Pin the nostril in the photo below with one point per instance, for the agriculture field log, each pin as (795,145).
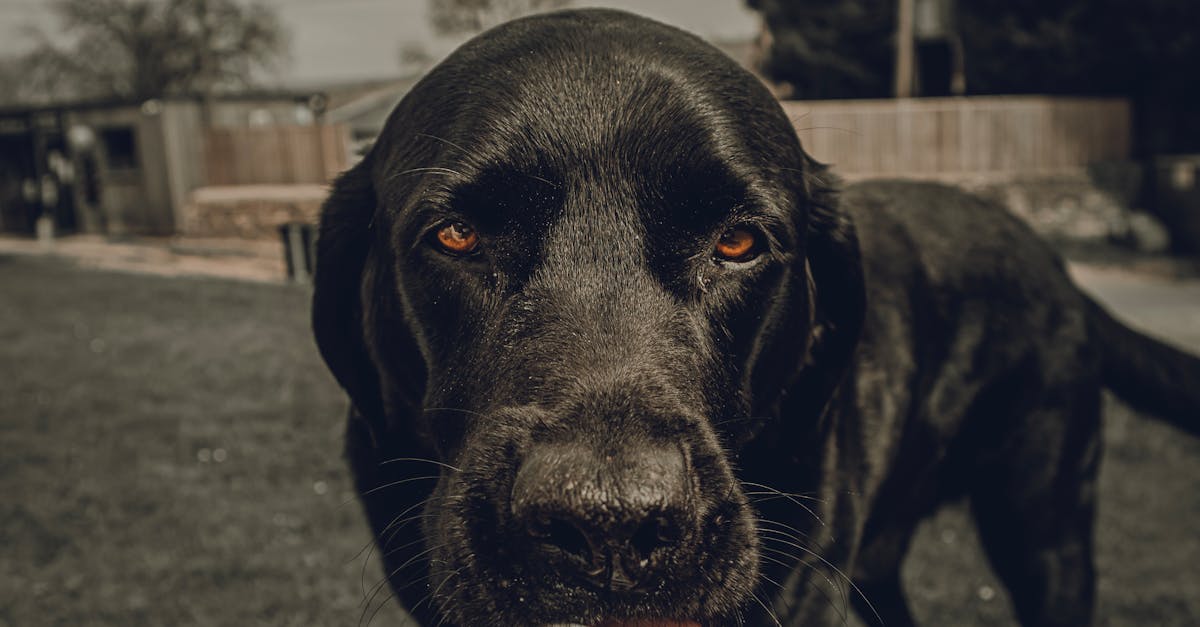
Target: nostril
(612,521)
(539,527)
(560,534)
(655,533)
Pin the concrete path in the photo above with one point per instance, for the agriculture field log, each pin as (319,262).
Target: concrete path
(1164,307)
(248,260)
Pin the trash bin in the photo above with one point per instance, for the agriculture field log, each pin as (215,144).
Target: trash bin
(299,251)
(1177,199)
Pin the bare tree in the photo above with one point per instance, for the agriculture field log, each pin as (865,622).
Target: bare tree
(15,82)
(413,56)
(151,48)
(458,17)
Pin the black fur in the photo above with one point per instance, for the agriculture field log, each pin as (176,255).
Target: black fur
(596,400)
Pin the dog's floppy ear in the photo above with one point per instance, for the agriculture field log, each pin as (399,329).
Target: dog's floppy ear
(343,246)
(837,298)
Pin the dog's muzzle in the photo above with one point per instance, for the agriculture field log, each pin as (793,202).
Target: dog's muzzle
(612,520)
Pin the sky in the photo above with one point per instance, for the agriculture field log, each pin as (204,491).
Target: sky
(348,40)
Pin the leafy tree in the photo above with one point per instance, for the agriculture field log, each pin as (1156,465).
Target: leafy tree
(142,49)
(829,48)
(1146,50)
(459,17)
(1080,46)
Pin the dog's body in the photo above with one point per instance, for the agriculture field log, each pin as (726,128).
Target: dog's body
(589,283)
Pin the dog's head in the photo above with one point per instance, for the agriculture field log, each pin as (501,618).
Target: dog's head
(578,271)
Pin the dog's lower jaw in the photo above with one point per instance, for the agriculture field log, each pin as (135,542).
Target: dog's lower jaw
(664,622)
(514,603)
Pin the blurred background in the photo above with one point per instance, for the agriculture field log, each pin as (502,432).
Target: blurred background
(170,438)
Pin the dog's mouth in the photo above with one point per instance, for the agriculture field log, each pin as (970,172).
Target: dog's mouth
(568,533)
(640,622)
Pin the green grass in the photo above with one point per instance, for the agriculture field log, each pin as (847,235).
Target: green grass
(1147,539)
(120,393)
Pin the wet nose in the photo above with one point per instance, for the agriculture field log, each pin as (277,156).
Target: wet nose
(612,518)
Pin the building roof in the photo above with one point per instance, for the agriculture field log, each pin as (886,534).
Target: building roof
(115,103)
(366,114)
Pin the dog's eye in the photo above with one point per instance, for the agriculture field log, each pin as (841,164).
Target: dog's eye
(737,245)
(457,238)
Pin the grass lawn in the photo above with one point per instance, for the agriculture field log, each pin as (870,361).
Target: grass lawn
(170,455)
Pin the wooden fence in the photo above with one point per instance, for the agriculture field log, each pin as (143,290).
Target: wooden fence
(275,154)
(976,138)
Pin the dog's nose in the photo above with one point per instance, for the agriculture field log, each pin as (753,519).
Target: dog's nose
(615,518)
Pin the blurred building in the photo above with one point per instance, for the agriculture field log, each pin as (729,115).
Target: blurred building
(364,111)
(127,168)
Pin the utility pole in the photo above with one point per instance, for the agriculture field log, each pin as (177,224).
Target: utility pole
(207,71)
(904,49)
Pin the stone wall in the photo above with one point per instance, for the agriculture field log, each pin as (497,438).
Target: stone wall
(250,211)
(1077,209)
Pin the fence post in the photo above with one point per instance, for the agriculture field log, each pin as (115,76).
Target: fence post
(298,250)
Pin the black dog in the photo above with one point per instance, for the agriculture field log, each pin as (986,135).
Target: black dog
(589,296)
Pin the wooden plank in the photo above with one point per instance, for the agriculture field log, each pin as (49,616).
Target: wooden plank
(274,154)
(994,136)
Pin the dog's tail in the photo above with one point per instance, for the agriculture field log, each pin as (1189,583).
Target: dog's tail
(1148,374)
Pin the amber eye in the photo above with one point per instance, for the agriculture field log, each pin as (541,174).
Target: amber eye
(737,244)
(457,238)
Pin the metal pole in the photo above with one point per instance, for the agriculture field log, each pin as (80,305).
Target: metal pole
(904,49)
